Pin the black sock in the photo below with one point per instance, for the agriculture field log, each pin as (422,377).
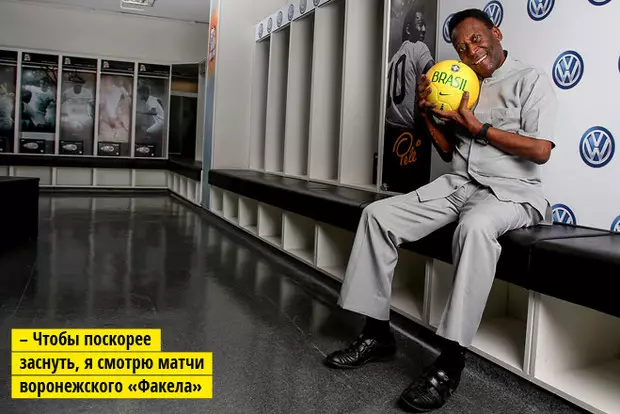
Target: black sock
(452,358)
(377,328)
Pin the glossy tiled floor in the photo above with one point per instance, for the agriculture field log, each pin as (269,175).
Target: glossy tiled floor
(152,262)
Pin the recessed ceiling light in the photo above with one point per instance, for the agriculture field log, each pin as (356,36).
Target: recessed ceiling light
(136,4)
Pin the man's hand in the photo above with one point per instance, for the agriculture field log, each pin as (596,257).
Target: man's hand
(441,142)
(423,91)
(463,116)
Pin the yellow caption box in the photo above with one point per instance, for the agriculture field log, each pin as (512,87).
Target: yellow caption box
(126,387)
(85,340)
(107,364)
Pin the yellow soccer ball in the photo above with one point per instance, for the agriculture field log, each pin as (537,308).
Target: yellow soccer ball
(449,80)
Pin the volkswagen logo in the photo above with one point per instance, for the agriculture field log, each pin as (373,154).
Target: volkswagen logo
(303,4)
(316,2)
(280,18)
(568,69)
(539,9)
(260,30)
(269,25)
(563,215)
(599,2)
(446,31)
(495,11)
(291,12)
(597,147)
(615,226)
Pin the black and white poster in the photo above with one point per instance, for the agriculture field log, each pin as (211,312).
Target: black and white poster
(8,80)
(115,106)
(151,109)
(38,103)
(411,52)
(77,106)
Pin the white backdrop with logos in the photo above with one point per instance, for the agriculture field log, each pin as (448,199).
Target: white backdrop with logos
(573,42)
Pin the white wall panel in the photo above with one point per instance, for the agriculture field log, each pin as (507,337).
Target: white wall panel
(364,32)
(43,173)
(298,97)
(74,176)
(150,178)
(234,79)
(107,177)
(326,91)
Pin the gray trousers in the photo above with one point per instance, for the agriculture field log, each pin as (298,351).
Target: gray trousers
(388,223)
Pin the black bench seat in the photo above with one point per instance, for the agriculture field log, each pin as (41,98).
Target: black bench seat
(585,269)
(19,210)
(537,258)
(327,203)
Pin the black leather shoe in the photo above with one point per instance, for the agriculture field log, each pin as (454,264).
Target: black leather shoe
(429,392)
(363,350)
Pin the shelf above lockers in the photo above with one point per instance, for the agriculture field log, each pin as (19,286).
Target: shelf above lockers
(362,82)
(298,236)
(276,101)
(577,352)
(258,115)
(326,91)
(298,97)
(333,248)
(408,285)
(270,224)
(501,336)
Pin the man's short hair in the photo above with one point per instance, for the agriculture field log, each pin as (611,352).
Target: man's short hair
(144,89)
(410,20)
(478,14)
(26,95)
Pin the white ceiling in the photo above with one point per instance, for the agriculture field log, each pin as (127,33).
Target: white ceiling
(191,10)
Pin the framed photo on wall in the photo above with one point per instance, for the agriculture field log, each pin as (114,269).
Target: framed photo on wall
(39,84)
(115,108)
(151,109)
(77,106)
(411,52)
(8,80)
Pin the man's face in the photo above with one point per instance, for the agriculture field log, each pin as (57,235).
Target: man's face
(418,31)
(77,88)
(478,46)
(144,95)
(44,86)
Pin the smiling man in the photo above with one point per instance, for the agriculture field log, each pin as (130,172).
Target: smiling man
(495,186)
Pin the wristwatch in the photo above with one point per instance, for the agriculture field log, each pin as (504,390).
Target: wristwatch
(482,135)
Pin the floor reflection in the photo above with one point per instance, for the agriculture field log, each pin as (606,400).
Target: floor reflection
(152,262)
